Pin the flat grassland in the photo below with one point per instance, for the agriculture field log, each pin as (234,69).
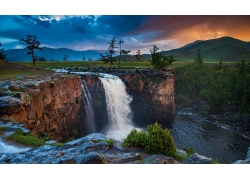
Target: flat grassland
(80,64)
(13,70)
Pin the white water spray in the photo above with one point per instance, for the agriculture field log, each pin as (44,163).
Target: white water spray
(88,107)
(118,107)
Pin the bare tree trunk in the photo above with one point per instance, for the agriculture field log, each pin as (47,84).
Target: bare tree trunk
(119,57)
(243,101)
(33,59)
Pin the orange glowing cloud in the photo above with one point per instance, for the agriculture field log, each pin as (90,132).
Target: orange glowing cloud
(186,29)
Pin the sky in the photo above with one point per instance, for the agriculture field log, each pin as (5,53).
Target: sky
(140,31)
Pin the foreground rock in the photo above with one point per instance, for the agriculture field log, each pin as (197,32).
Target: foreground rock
(198,159)
(91,149)
(159,159)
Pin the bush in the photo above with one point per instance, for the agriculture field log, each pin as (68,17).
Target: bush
(156,140)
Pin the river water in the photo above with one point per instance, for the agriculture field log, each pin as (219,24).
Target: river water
(208,138)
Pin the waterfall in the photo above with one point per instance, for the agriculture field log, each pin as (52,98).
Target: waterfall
(118,107)
(88,107)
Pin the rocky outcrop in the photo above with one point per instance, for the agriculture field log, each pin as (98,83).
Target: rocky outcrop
(48,106)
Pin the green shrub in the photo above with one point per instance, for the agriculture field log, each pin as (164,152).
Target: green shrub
(156,140)
(26,138)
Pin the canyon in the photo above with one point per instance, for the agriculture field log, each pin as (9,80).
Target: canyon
(53,105)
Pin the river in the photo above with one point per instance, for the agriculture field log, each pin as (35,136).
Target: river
(192,129)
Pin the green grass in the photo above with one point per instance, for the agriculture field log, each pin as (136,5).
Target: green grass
(26,138)
(13,70)
(92,64)
(83,64)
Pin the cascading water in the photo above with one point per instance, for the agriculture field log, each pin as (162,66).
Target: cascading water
(88,107)
(118,107)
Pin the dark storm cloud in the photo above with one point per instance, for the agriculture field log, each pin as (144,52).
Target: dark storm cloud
(31,20)
(137,32)
(72,31)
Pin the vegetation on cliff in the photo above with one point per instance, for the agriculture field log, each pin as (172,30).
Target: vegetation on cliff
(223,87)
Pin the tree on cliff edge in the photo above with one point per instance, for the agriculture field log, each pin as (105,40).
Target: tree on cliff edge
(159,61)
(2,55)
(31,44)
(109,55)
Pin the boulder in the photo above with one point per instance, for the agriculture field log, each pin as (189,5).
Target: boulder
(116,157)
(159,159)
(198,159)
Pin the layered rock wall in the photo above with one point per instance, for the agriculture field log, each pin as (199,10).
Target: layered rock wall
(51,107)
(153,96)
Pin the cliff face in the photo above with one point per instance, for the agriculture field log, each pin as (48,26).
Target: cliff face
(51,107)
(152,93)
(153,96)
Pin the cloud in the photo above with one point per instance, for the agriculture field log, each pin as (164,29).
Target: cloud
(189,28)
(137,31)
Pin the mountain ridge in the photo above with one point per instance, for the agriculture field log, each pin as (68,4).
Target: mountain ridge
(224,48)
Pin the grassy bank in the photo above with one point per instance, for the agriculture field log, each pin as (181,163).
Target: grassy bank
(13,70)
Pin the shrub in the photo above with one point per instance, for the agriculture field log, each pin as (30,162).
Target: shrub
(155,140)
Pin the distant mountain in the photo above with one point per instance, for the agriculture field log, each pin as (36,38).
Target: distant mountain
(227,49)
(17,55)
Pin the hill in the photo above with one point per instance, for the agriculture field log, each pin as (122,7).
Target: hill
(227,49)
(19,55)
